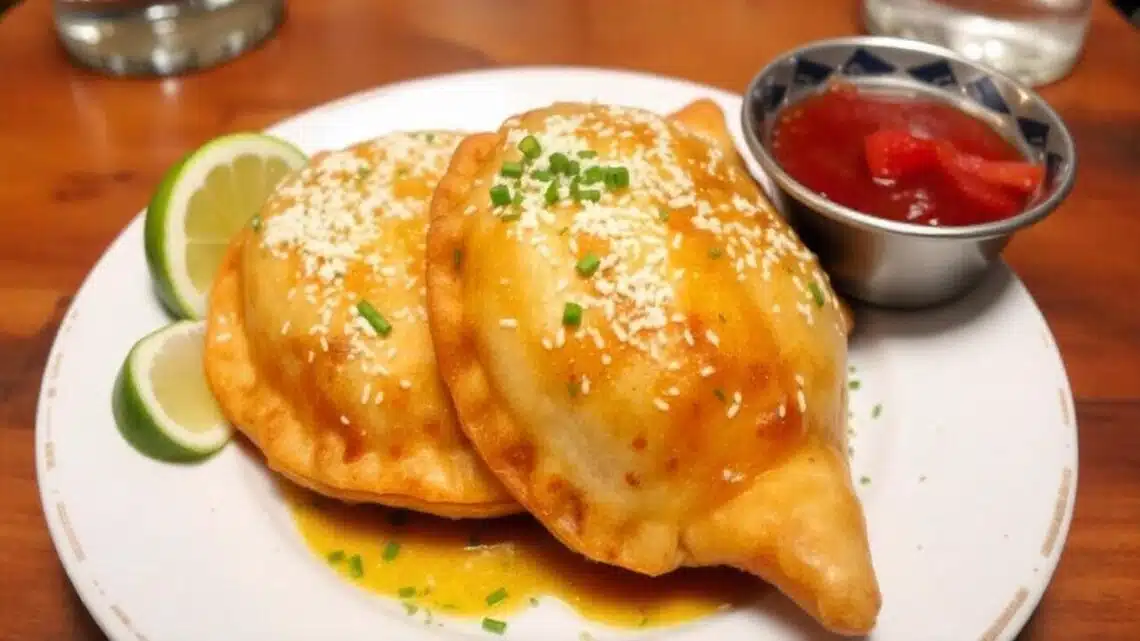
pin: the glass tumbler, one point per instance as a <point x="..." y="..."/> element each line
<point x="162" y="37"/>
<point x="1035" y="41"/>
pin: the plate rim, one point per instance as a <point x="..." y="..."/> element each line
<point x="1009" y="622"/>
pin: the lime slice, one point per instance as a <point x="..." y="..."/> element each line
<point x="200" y="204"/>
<point x="161" y="402"/>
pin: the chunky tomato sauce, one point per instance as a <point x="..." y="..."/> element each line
<point x="901" y="158"/>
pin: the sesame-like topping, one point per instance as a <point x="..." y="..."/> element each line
<point x="608" y="197"/>
<point x="357" y="215"/>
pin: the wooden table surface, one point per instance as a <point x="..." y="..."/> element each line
<point x="80" y="154"/>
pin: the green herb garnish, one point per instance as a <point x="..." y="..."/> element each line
<point x="511" y="216"/>
<point x="588" y="264"/>
<point x="494" y="626"/>
<point x="255" y="222"/>
<point x="572" y="388"/>
<point x="572" y="314"/>
<point x="864" y="480"/>
<point x="541" y="174"/>
<point x="430" y="137"/>
<point x="391" y="551"/>
<point x="590" y="195"/>
<point x="854" y="384"/>
<point x="511" y="169"/>
<point x="533" y="602"/>
<point x="816" y="294"/>
<point x="592" y="175"/>
<point x="500" y="195"/>
<point x="663" y="214"/>
<point x="374" y="318"/>
<point x="355" y="566"/>
<point x="715" y="252"/>
<point x="551" y="193"/>
<point x="587" y="153"/>
<point x="406" y="592"/>
<point x="559" y="163"/>
<point x="402" y="172"/>
<point x="616" y="177"/>
<point x="530" y="148"/>
<point x="457" y="257"/>
<point x="411" y="608"/>
<point x="719" y="394"/>
<point x="336" y="556"/>
<point x="497" y="596"/>
<point x="876" y="410"/>
<point x="573" y="167"/>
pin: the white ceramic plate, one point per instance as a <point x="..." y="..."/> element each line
<point x="972" y="463"/>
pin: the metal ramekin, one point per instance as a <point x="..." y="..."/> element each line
<point x="890" y="263"/>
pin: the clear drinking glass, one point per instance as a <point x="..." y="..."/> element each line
<point x="1035" y="41"/>
<point x="163" y="37"/>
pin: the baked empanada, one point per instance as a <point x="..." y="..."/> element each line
<point x="646" y="355"/>
<point x="318" y="347"/>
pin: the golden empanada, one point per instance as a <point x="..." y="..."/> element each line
<point x="645" y="353"/>
<point x="318" y="347"/>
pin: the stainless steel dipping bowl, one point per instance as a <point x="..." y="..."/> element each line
<point x="886" y="262"/>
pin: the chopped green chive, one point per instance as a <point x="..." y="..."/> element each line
<point x="715" y="253"/>
<point x="719" y="394"/>
<point x="644" y="622"/>
<point x="511" y="169"/>
<point x="336" y="556"/>
<point x="563" y="231"/>
<point x="591" y="195"/>
<point x="255" y="222"/>
<point x="572" y="314"/>
<point x="876" y="410"/>
<point x="559" y="163"/>
<point x="541" y="174"/>
<point x="355" y="566"/>
<point x="816" y="294"/>
<point x="616" y="177"/>
<point x="406" y="592"/>
<point x="497" y="596"/>
<point x="854" y="384"/>
<point x="551" y="193"/>
<point x="530" y="148"/>
<point x="592" y="175"/>
<point x="430" y="137"/>
<point x="663" y="214"/>
<point x="864" y="480"/>
<point x="457" y="257"/>
<point x="572" y="387"/>
<point x="587" y="153"/>
<point x="572" y="168"/>
<point x="391" y="551"/>
<point x="574" y="192"/>
<point x="494" y="626"/>
<point x="401" y="173"/>
<point x="374" y="318"/>
<point x="500" y="195"/>
<point x="533" y="602"/>
<point x="588" y="264"/>
<point x="511" y="216"/>
<point x="411" y="608"/>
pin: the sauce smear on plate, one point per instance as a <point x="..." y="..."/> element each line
<point x="493" y="568"/>
<point x="901" y="158"/>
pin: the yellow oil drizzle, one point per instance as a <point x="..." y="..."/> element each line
<point x="461" y="568"/>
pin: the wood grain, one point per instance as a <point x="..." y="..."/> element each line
<point x="80" y="154"/>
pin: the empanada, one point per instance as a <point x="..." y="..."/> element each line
<point x="318" y="347"/>
<point x="646" y="354"/>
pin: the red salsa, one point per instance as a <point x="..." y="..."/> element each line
<point x="901" y="158"/>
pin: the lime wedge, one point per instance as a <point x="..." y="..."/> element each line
<point x="200" y="204"/>
<point x="161" y="402"/>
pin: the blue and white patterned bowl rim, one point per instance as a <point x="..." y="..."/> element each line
<point x="1018" y="111"/>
